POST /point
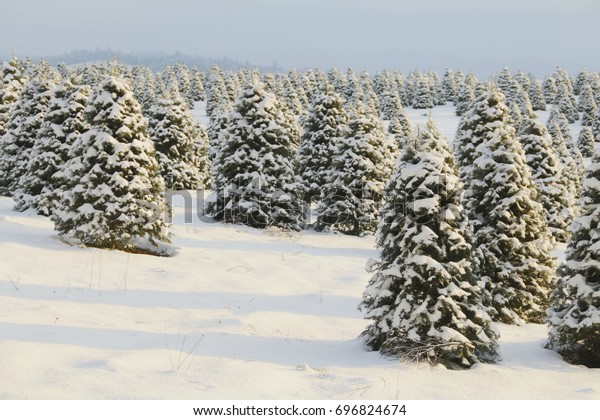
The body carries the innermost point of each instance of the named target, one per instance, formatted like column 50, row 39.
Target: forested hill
column 155, row 60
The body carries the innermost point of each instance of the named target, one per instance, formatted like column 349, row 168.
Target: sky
column 471, row 35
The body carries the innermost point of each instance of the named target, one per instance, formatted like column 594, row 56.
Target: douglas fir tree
column 41, row 185
column 423, row 298
column 180, row 144
column 11, row 84
column 585, row 142
column 362, row 162
column 502, row 202
column 574, row 316
column 23, row 126
column 115, row 198
column 256, row 180
column 324, row 124
column 548, row 171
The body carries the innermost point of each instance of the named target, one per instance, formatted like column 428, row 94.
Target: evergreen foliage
column 196, row 86
column 582, row 78
column 11, row 85
column 536, row 96
column 596, row 126
column 424, row 96
column 423, row 298
column 585, row 142
column 400, row 129
column 587, row 105
column 362, row 161
column 390, row 104
column 504, row 82
column 547, row 171
column 574, row 316
column 115, row 196
column 257, row 184
column 550, row 90
column 23, row 126
column 43, row 183
column 449, row 84
column 571, row 160
column 566, row 103
column 502, row 202
column 324, row 124
column 464, row 99
column 180, row 143
column 216, row 91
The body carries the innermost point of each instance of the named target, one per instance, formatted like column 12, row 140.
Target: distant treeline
column 156, row 61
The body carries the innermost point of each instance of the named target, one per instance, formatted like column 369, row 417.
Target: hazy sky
column 478, row 35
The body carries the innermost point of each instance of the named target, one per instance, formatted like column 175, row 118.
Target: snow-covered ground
column 237, row 313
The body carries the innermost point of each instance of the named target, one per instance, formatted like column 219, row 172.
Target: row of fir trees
column 466, row 232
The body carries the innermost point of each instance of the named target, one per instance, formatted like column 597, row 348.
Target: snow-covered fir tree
column 43, row 183
column 547, row 171
column 504, row 82
column 464, row 98
column 11, row 85
column 520, row 99
column 65, row 72
column 296, row 83
column 574, row 316
column 218, row 123
column 550, row 90
column 474, row 129
column 502, row 202
column 515, row 115
column 310, row 81
column 324, row 124
column 424, row 96
column 289, row 95
column 390, row 104
column 400, row 129
column 523, row 79
column 362, row 162
column 556, row 116
column 558, row 127
column 115, row 198
column 144, row 88
column 536, row 96
column 595, row 83
column 184, row 83
column 449, row 85
column 407, row 93
column 573, row 167
column 596, row 126
column 216, row 91
column 180, row 143
column 566, row 103
column 562, row 76
column 382, row 82
column 369, row 96
column 257, row 184
column 90, row 74
column 424, row 299
column 586, row 142
column 196, row 85
column 23, row 126
column 438, row 89
column 338, row 80
column 352, row 89
column 587, row 105
column 582, row 78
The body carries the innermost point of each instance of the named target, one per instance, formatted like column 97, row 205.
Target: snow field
column 238, row 313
